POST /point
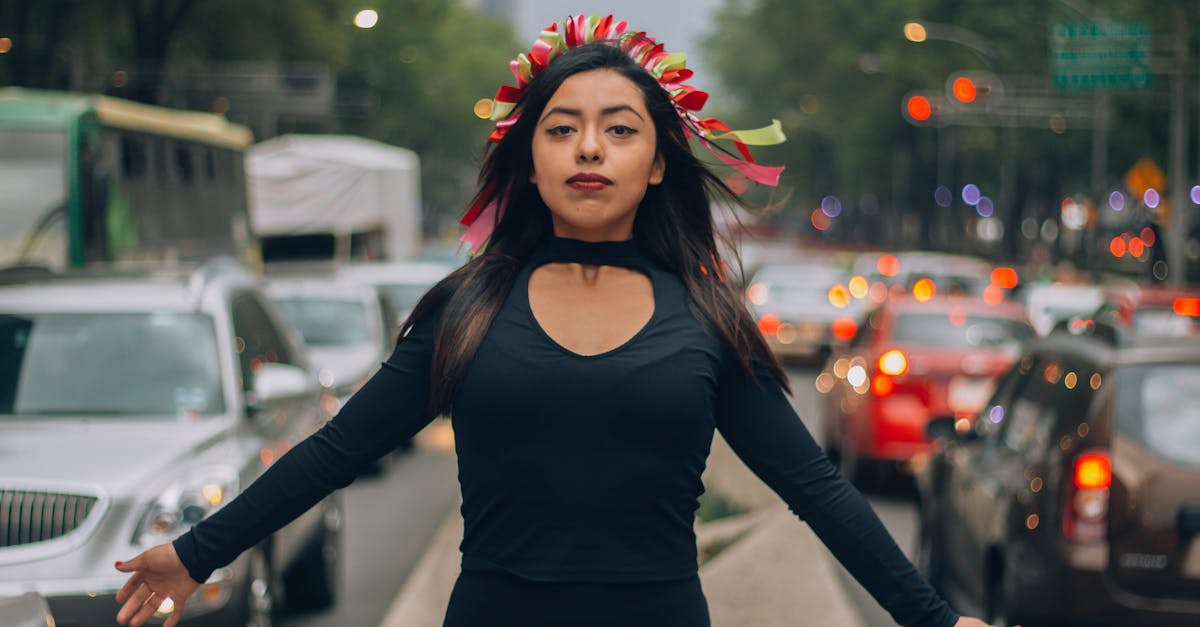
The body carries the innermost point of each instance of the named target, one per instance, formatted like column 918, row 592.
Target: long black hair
column 673, row 227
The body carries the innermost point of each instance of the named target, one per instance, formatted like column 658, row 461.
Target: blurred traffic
column 982, row 277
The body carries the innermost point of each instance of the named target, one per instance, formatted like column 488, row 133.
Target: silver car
column 130, row 409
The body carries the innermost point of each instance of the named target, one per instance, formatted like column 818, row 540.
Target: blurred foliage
column 835, row 74
column 420, row 69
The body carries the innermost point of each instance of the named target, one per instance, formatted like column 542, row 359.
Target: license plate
column 969, row 394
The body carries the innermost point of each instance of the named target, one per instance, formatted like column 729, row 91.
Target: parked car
column 951, row 274
column 1151, row 310
column 403, row 283
column 349, row 329
column 25, row 610
column 910, row 362
column 803, row 309
column 130, row 409
column 1074, row 499
column 1050, row 303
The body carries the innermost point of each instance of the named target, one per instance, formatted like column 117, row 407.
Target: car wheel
column 258, row 607
column 312, row 582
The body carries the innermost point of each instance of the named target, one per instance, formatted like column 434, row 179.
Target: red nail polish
column 119, row 564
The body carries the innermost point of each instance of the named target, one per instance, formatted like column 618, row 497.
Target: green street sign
column 1100, row 55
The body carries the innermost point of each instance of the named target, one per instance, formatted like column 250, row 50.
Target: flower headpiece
column 668, row 68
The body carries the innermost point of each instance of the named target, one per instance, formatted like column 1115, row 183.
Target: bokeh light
column 819, row 220
column 923, row 290
column 831, row 206
column 943, row 196
column 1117, row 246
column 878, row 292
column 1150, row 198
column 5, row 44
column 1116, row 201
column 844, row 328
column 958, row 316
column 839, row 296
column 366, row 18
column 859, row 286
column 970, row 193
column 1004, row 277
column 1136, row 247
column 984, row 207
column 888, row 265
column 757, row 293
column 1195, row 194
column 915, row 32
column 1148, row 236
column 993, row 295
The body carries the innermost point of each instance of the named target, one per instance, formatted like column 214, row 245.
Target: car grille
column 28, row 516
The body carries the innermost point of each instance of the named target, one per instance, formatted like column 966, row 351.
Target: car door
column 277, row 423
column 982, row 475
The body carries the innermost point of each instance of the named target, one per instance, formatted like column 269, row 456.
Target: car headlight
column 185, row 503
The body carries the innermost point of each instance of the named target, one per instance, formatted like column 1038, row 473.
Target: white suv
column 132, row 408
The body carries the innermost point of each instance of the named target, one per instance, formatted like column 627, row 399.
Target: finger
column 131, row 585
column 175, row 616
column 136, row 601
column 146, row 611
column 131, row 565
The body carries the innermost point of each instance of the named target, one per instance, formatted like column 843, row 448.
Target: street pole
column 1177, row 235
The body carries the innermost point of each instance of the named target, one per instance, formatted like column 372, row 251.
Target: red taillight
column 1085, row 512
column 1187, row 306
column 844, row 328
column 769, row 324
column 1093, row 471
column 893, row 362
column 882, row 385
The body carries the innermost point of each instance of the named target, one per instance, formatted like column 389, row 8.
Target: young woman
column 585, row 356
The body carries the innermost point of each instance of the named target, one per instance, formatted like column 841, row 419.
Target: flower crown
column 668, row 68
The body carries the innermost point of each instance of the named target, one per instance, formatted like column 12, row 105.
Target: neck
column 611, row 233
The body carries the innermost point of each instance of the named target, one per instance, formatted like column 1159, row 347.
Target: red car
column 909, row 362
column 1152, row 310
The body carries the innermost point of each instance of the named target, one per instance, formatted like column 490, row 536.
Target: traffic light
column 973, row 87
column 921, row 108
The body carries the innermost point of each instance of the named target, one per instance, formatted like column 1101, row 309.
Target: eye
column 621, row 130
column 558, row 131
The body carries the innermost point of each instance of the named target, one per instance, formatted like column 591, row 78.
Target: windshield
column 109, row 364
column 328, row 321
column 1159, row 405
column 33, row 220
column 404, row 296
column 968, row 331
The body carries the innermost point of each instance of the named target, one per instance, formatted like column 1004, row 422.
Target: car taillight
column 844, row 328
column 1186, row 306
column 1085, row 512
column 769, row 324
column 882, row 385
column 893, row 362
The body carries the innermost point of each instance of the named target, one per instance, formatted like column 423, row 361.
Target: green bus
column 88, row 180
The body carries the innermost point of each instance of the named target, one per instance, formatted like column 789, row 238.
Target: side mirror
column 273, row 381
column 941, row 428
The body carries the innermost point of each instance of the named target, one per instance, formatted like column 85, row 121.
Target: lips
column 590, row 179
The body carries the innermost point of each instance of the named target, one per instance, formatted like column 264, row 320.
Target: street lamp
column 366, row 18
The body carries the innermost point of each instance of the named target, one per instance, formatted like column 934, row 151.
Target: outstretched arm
column 762, row 428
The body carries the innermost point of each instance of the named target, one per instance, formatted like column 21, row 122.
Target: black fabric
column 482, row 599
column 583, row 468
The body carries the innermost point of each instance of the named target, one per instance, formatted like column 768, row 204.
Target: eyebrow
column 606, row 111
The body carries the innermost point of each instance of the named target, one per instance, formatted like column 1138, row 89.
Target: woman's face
column 594, row 153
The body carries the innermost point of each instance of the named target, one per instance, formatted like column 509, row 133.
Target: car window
column 404, row 296
column 257, row 340
column 328, row 321
column 1058, row 391
column 971, row 331
column 989, row 420
column 1159, row 405
column 62, row 364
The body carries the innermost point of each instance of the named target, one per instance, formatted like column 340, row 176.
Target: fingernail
column 119, row 564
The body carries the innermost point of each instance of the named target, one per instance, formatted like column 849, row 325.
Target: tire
column 258, row 600
column 312, row 582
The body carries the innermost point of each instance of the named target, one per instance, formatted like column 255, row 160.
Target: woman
column 585, row 357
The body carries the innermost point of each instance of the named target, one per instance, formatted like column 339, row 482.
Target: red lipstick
column 588, row 182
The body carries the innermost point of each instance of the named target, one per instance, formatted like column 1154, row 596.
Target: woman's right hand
column 157, row 574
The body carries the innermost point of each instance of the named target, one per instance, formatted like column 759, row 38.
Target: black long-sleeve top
column 582, row 468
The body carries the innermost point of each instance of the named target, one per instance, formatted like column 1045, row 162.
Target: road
column 894, row 502
column 389, row 519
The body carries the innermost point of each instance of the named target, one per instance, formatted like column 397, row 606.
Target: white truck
column 334, row 198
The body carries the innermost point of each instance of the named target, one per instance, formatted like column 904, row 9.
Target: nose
column 589, row 148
